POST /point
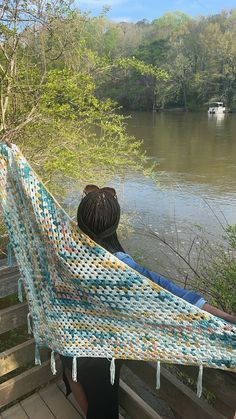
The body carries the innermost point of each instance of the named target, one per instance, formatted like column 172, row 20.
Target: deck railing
column 20, row 377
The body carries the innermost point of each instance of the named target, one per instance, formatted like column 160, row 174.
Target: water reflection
column 218, row 119
column 197, row 158
column 192, row 147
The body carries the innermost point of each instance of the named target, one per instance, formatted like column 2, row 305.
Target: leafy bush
column 221, row 273
column 207, row 266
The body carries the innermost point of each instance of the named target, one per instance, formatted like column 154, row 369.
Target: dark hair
column 98, row 216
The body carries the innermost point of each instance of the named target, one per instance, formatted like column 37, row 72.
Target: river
column 195, row 190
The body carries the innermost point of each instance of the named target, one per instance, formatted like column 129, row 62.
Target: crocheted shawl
column 84, row 301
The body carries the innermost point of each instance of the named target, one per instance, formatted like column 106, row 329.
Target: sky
column 132, row 10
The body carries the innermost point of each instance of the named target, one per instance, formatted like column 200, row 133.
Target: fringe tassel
column 20, row 293
column 74, row 369
column 53, row 363
column 199, row 381
column 112, row 371
column 30, row 331
column 37, row 359
column 9, row 255
column 158, row 375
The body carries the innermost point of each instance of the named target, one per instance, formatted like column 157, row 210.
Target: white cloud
column 121, row 19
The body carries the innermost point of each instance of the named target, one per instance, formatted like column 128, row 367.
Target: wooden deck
column 48, row 403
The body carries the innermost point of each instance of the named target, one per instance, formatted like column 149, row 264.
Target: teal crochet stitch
column 84, row 301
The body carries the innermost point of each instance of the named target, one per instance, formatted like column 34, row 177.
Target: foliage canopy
column 52, row 62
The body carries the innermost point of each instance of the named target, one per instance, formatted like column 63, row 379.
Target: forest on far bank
column 198, row 54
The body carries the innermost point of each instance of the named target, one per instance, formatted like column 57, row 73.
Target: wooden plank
column 24, row 383
column 3, row 262
column 13, row 317
column 61, row 386
column 15, row 412
column 220, row 383
column 58, row 404
column 179, row 397
column 8, row 270
column 224, row 409
column 134, row 405
column 35, row 408
column 20, row 355
column 9, row 281
column 16, row 357
column 197, row 407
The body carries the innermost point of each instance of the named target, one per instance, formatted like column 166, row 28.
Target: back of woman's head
column 98, row 216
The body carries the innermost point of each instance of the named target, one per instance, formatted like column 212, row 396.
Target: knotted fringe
column 37, row 359
column 158, row 375
column 53, row 363
column 199, row 381
column 112, row 371
column 20, row 293
column 29, row 324
column 74, row 369
column 9, row 255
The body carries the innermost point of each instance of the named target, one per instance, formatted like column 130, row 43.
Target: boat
column 216, row 108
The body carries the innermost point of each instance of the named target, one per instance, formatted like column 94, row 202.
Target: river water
column 195, row 191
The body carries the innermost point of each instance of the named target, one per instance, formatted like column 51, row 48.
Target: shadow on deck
column 48, row 403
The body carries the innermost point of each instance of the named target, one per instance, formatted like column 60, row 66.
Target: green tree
column 49, row 101
column 199, row 55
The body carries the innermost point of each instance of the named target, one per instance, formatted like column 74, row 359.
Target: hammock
column 84, row 302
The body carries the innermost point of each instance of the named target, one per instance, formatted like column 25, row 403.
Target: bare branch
column 3, row 9
column 151, row 233
column 4, row 52
column 10, row 134
column 214, row 213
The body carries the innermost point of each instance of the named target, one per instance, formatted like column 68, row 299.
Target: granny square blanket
column 84, row 301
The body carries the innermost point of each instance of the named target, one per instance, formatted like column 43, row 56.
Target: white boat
column 216, row 108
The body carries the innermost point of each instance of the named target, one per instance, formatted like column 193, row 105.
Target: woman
column 98, row 216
